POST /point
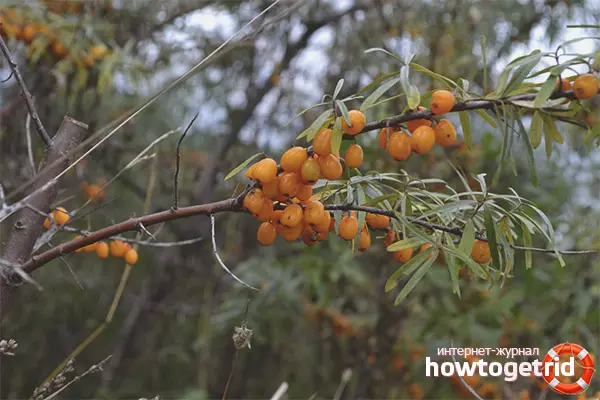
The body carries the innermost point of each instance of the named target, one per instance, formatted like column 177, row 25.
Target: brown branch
column 26, row 95
column 132, row 224
column 28, row 221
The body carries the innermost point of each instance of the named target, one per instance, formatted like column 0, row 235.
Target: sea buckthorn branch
column 442, row 228
column 25, row 93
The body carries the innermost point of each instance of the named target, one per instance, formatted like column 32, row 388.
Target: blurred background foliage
column 321, row 309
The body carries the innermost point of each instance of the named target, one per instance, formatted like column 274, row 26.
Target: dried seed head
column 242, row 336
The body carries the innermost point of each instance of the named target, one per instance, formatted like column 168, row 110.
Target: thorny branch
column 26, row 95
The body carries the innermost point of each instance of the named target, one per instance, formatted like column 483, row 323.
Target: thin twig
column 216, row 253
column 346, row 376
column 469, row 388
column 26, row 95
column 176, row 177
column 66, row 264
column 281, row 390
column 29, row 144
column 93, row 369
column 230, row 374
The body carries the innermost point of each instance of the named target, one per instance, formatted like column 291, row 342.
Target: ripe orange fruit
column 481, row 252
column 310, row 170
column 384, row 134
column 348, row 228
column 117, row 248
column 377, row 221
column 323, row 225
column 313, row 212
column 354, row 156
column 415, row 123
column 47, row 223
column 292, row 216
column 79, row 250
column 563, row 85
column 60, row 216
column 310, row 237
column 403, row 255
column 304, row 193
column 425, row 247
column 276, row 219
column 265, row 212
column 29, row 32
column 585, row 86
column 445, row 133
column 330, row 167
column 98, row 52
column 102, row 250
column 266, row 234
column 292, row 160
column 390, row 237
column 422, row 139
column 289, row 183
column 90, row 248
column 265, row 171
column 58, row 49
column 253, row 201
column 291, row 234
column 131, row 256
column 251, row 171
column 358, row 121
column 442, row 101
column 399, row 146
column 364, row 241
column 271, row 189
column 416, row 392
column 322, row 142
column 93, row 191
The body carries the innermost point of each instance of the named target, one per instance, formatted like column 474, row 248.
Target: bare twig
column 281, row 390
column 466, row 385
column 26, row 95
column 68, row 266
column 29, row 144
column 91, row 370
column 176, row 177
column 346, row 376
column 221, row 263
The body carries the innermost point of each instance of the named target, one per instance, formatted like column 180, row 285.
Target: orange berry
column 271, row 189
column 253, row 201
column 79, row 250
column 357, row 120
column 331, row 168
column 403, row 255
column 131, row 256
column 276, row 219
column 102, row 250
column 481, row 252
column 58, row 49
column 364, row 241
column 292, row 216
column 29, row 32
column 348, row 228
column 47, row 223
column 289, row 183
column 90, row 248
column 291, row 234
column 416, row 392
column 117, row 248
column 251, row 172
column 98, row 52
column 390, row 237
column 265, row 212
column 384, row 134
column 322, row 142
column 313, row 212
column 415, row 123
column 94, row 191
column 310, row 237
column 399, row 146
column 563, row 84
column 304, row 193
column 442, row 101
column 266, row 234
column 585, row 86
column 445, row 133
column 292, row 160
column 354, row 156
column 266, row 170
column 60, row 216
column 324, row 224
column 425, row 247
column 422, row 139
column 377, row 221
column 310, row 170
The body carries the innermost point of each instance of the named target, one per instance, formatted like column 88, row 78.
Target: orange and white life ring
column 569, row 388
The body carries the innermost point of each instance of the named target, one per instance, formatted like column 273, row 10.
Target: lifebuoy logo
column 584, row 360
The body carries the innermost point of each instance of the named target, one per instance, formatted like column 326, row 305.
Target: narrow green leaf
column 314, row 128
column 404, row 80
column 484, row 55
column 466, row 129
column 521, row 73
column 550, row 127
column 406, row 244
column 468, row 261
column 406, row 269
column 413, row 97
column 336, row 136
column 490, row 230
column 468, row 238
column 373, row 97
column 417, row 276
column 536, row 129
column 501, row 85
column 449, row 83
column 545, row 92
column 344, row 110
column 243, row 165
column 338, row 87
column 530, row 157
column 377, row 82
column 527, row 243
column 453, row 265
column 487, row 118
column 373, row 49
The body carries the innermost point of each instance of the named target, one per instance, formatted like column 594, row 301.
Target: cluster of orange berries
column 584, row 86
column 59, row 216
column 14, row 26
column 74, row 6
column 116, row 248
